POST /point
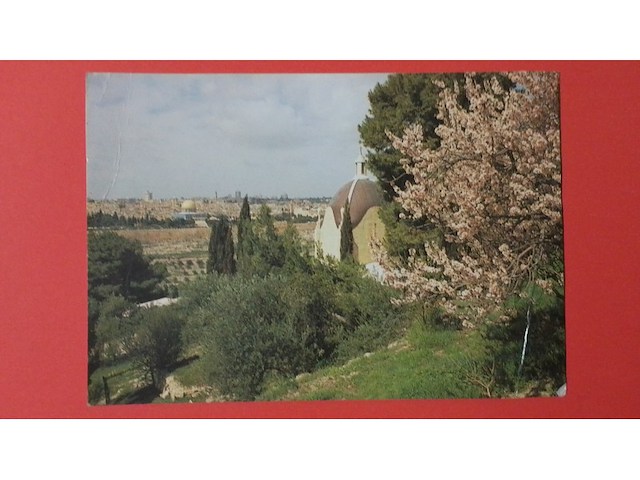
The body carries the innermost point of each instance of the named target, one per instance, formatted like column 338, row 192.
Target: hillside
column 426, row 363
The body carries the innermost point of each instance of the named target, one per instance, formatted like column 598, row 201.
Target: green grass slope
column 427, row 363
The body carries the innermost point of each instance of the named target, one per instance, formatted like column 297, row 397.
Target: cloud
column 193, row 135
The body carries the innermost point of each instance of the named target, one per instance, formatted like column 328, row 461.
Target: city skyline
column 183, row 136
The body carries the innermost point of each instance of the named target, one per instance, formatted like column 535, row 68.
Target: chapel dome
column 362, row 194
column 188, row 206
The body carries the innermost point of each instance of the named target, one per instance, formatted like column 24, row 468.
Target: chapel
column 365, row 199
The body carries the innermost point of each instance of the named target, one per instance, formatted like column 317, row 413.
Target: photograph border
column 44, row 248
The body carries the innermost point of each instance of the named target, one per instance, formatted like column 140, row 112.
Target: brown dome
column 366, row 194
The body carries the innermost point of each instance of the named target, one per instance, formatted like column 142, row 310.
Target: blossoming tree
column 492, row 188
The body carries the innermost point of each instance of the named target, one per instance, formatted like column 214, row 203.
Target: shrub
column 260, row 326
column 115, row 328
column 96, row 392
column 371, row 320
column 158, row 341
column 286, row 323
column 242, row 313
column 172, row 290
column 194, row 307
column 545, row 353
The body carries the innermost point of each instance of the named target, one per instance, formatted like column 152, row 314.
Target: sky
column 183, row 136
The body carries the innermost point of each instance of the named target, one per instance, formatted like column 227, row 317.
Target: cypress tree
column 244, row 236
column 245, row 213
column 346, row 235
column 243, row 222
column 229, row 263
column 221, row 252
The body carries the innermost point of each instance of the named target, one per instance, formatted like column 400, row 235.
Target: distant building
column 238, row 196
column 188, row 212
column 188, row 206
column 148, row 197
column 365, row 199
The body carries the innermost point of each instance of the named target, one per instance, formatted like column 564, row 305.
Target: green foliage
column 403, row 234
column 94, row 353
column 116, row 325
column 268, row 249
column 291, row 218
column 158, row 340
column 346, row 235
column 287, row 313
column 194, row 306
column 96, row 391
column 221, row 252
column 244, row 250
column 430, row 364
column 368, row 319
column 263, row 251
column 119, row 276
column 121, row 381
column 106, row 220
column 403, row 100
column 282, row 325
column 311, row 305
column 190, row 372
column 433, row 317
column 545, row 358
column 118, row 267
column 297, row 255
column 258, row 327
column 172, row 291
column 432, row 361
column 245, row 210
column 394, row 105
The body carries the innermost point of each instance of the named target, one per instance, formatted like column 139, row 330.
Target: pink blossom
column 492, row 188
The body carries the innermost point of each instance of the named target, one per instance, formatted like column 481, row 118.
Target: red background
column 43, row 280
